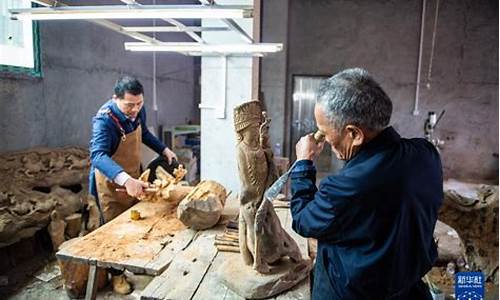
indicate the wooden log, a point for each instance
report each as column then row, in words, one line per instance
column 73, row 225
column 228, row 248
column 472, row 210
column 202, row 207
column 56, row 229
column 225, row 237
column 230, row 234
column 225, row 243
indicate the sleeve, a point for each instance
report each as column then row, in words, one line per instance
column 101, row 148
column 317, row 212
column 121, row 178
column 148, row 138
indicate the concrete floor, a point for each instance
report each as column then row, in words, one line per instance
column 53, row 289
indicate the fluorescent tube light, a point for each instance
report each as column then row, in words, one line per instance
column 172, row 29
column 205, row 48
column 133, row 12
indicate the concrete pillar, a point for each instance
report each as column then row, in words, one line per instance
column 225, row 83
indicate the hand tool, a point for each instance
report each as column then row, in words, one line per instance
column 273, row 191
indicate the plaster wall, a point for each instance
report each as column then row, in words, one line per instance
column 80, row 63
column 325, row 37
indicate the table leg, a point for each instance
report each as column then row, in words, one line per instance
column 91, row 292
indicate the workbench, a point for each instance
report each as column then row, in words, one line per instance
column 184, row 261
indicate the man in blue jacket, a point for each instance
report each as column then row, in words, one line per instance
column 374, row 220
column 119, row 129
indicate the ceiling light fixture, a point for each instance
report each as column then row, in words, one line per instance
column 201, row 49
column 132, row 12
column 172, row 29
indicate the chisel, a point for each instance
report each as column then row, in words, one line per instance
column 273, row 191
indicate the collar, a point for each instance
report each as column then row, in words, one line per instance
column 385, row 138
column 117, row 112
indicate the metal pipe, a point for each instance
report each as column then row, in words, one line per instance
column 417, row 88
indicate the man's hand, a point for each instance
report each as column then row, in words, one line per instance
column 307, row 148
column 169, row 154
column 135, row 188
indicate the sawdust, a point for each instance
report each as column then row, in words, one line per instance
column 123, row 239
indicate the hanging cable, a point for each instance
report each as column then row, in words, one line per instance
column 155, row 100
column 433, row 45
column 419, row 66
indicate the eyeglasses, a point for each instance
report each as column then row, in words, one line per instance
column 132, row 105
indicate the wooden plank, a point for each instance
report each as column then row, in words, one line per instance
column 91, row 291
column 138, row 246
column 179, row 242
column 186, row 271
column 211, row 288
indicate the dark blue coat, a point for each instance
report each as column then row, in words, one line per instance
column 374, row 220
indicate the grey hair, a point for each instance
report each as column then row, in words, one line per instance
column 354, row 97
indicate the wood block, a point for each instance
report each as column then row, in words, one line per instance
column 73, row 225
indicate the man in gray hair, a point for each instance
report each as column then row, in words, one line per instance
column 374, row 220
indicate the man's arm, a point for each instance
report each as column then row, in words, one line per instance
column 316, row 212
column 101, row 148
column 102, row 144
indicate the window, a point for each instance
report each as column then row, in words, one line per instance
column 19, row 41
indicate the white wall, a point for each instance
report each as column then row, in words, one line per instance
column 218, row 140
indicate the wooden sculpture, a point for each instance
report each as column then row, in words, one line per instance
column 262, row 240
column 165, row 187
column 472, row 210
column 39, row 187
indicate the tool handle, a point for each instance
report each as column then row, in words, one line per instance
column 319, row 136
column 147, row 190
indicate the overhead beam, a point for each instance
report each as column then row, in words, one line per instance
column 184, row 28
column 234, row 26
column 174, row 22
column 110, row 25
column 229, row 22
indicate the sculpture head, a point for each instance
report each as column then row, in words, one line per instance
column 247, row 119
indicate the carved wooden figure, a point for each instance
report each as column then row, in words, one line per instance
column 262, row 240
column 36, row 183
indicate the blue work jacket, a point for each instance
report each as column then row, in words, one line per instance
column 374, row 220
column 106, row 137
